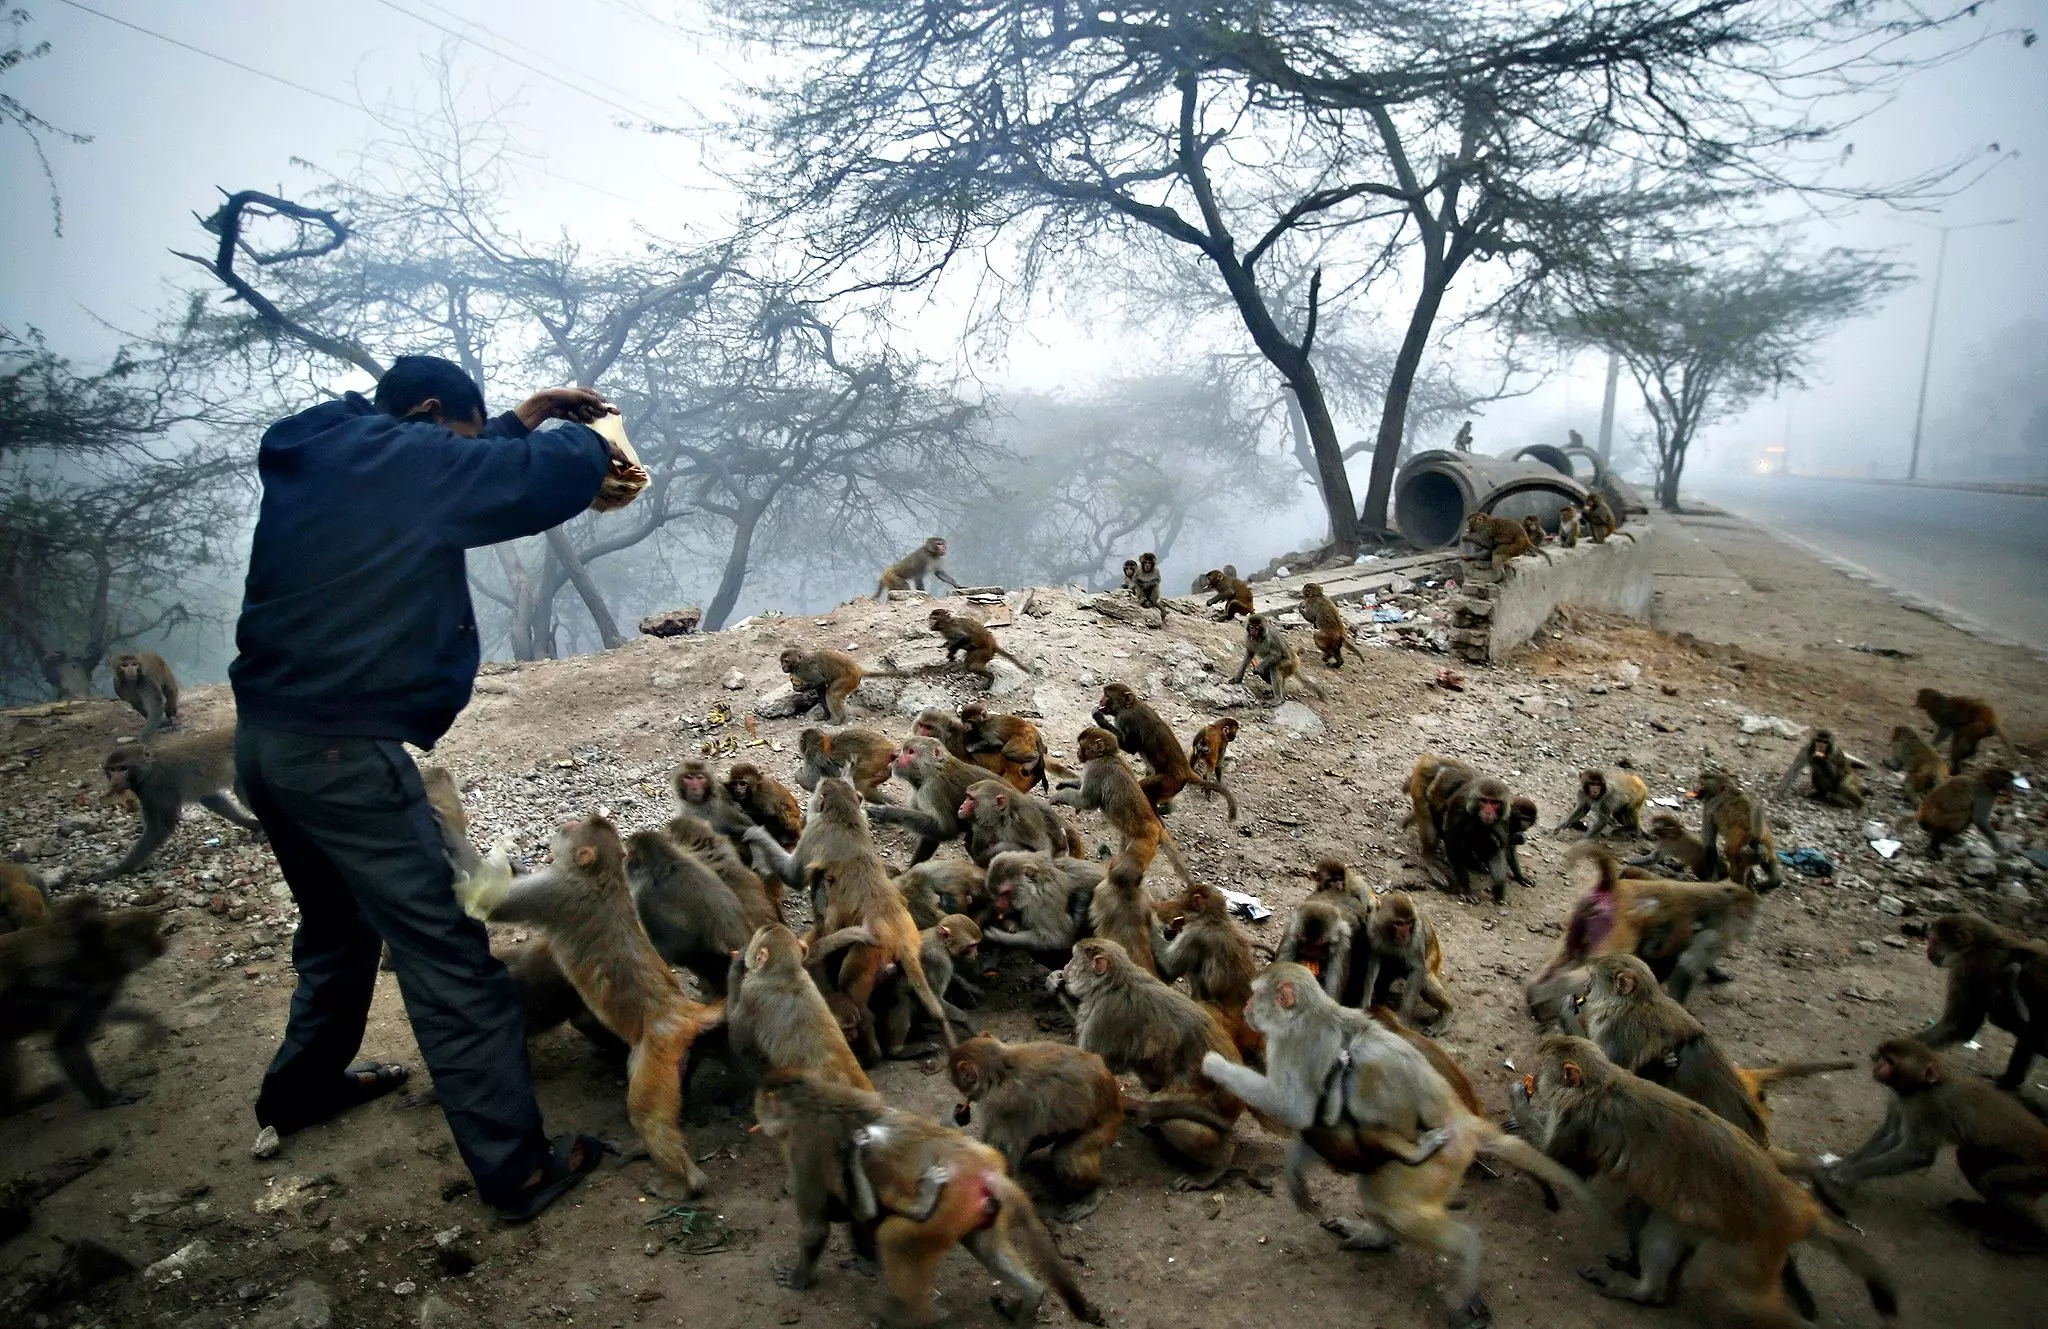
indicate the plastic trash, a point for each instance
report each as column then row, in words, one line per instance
column 1771, row 724
column 1385, row 614
column 1886, row 848
column 1250, row 906
column 1808, row 862
column 2020, row 782
column 1668, row 801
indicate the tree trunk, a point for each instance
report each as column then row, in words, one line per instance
column 735, row 574
column 579, row 577
column 1386, row 451
column 524, row 645
column 74, row 678
column 1330, row 475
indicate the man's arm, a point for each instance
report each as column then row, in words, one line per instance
column 503, row 485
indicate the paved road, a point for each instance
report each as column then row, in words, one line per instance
column 1983, row 557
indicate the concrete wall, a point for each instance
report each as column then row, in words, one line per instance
column 1618, row 576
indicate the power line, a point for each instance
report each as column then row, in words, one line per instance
column 646, row 113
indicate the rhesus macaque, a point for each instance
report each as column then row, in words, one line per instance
column 550, row 999
column 776, row 1017
column 1000, row 819
column 1370, row 1102
column 1958, row 803
column 701, row 796
column 1042, row 1095
column 1277, row 663
column 694, row 919
column 821, row 678
column 1146, row 582
column 766, row 801
column 144, row 681
column 584, row 904
column 1015, row 744
column 1326, row 933
column 1533, row 524
column 1522, row 817
column 1131, row 575
column 164, row 777
column 1834, row 777
column 24, row 903
column 1674, row 844
column 1568, row 526
column 1735, row 836
column 1476, row 835
column 1717, row 1207
column 938, row 887
column 1993, row 974
column 860, row 755
column 1206, row 948
column 1600, row 518
column 1235, row 596
column 1922, row 765
column 1401, row 944
column 1201, row 582
column 1107, row 786
column 1498, row 539
column 1121, row 911
column 928, row 559
column 1210, row 748
column 1964, row 721
column 946, row 944
column 1615, row 802
column 64, row 978
column 939, row 782
column 970, row 640
column 1430, row 786
column 1332, row 632
column 1140, row 730
column 2001, row 1146
column 913, row 1189
column 753, row 891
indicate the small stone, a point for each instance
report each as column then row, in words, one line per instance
column 1668, row 689
column 1866, row 947
column 267, row 1144
column 1292, row 715
column 1598, row 689
column 437, row 1312
column 734, row 681
column 405, row 1289
column 173, row 1266
column 779, row 704
column 1891, row 904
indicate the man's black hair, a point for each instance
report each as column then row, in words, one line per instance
column 413, row 379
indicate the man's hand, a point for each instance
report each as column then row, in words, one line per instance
column 579, row 404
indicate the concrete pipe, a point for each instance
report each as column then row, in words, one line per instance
column 1560, row 459
column 1438, row 490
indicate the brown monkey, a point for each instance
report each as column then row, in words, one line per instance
column 1430, row 786
column 1960, row 802
column 1922, row 765
column 23, row 900
column 2001, row 1146
column 585, row 906
column 1277, row 662
column 928, row 559
column 1015, row 743
column 861, row 755
column 1131, row 575
column 1201, row 582
column 757, row 895
column 766, row 801
column 1735, row 836
column 64, row 978
column 1146, row 582
column 1674, row 844
column 1210, row 747
column 776, row 1017
column 1499, row 539
column 1834, row 779
column 1326, row 933
column 1139, row 730
column 938, row 887
column 693, row 918
column 1717, row 1206
column 164, row 777
column 1121, row 911
column 1401, row 944
column 971, row 640
column 144, row 681
column 701, row 796
column 1993, row 974
column 1000, row 819
column 1533, row 524
column 1041, row 902
column 1522, row 817
column 1568, row 526
column 550, row 999
column 1601, row 520
column 1042, row 1095
column 821, row 678
column 913, row 1189
column 1476, row 834
column 946, row 944
column 1616, row 802
column 1964, row 721
column 1108, row 786
column 1234, row 595
column 939, row 782
column 1332, row 632
column 1203, row 946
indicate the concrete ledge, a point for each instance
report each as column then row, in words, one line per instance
column 1498, row 617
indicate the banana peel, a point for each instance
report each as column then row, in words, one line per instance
column 626, row 479
column 481, row 892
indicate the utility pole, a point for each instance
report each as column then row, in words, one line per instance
column 1607, row 411
column 1933, row 314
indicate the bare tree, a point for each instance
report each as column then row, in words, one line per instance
column 13, row 53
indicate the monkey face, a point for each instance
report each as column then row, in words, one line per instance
column 788, row 659
column 1594, row 785
column 1821, row 747
column 1130, row 567
column 740, row 787
column 936, row 546
column 1095, row 743
column 974, row 712
column 1489, row 810
column 1228, row 728
column 1255, row 628
column 694, row 786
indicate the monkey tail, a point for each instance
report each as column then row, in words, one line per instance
column 1216, row 787
column 1760, row 1077
column 1030, row 1235
column 1519, row 1153
column 1064, row 772
column 838, row 941
column 1603, row 858
column 866, row 672
column 1180, row 865
column 1013, row 660
column 1839, row 1240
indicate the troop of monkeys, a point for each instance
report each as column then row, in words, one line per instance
column 1499, row 539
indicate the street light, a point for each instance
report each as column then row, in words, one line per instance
column 1933, row 311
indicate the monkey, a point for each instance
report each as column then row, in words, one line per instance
column 145, row 682
column 1201, row 582
column 1718, row 1208
column 1522, row 817
column 938, row 887
column 164, row 777
column 550, row 999
column 1834, row 778
column 1015, row 742
column 1209, row 749
column 1498, row 539
column 758, row 896
column 1964, row 721
column 1042, row 1095
column 946, row 944
column 1674, row 844
column 776, row 1017
column 701, row 796
column 1131, row 575
column 584, row 904
column 822, row 678
column 1401, row 944
column 64, row 978
column 1617, row 802
column 1960, row 802
column 928, row 559
column 693, row 918
column 1430, row 785
column 766, row 801
column 1201, row 944
column 861, row 755
column 1121, row 910
column 1277, row 662
column 913, row 1189
column 953, row 731
column 972, row 641
column 1601, row 520
column 24, row 900
column 1332, row 632
column 1568, row 526
column 1475, row 834
column 1370, row 1102
column 1533, row 524
column 1043, row 901
column 1326, row 933
column 1108, row 786
column 1734, row 833
column 1140, row 731
column 1922, row 765
column 1993, row 974
column 1234, row 595
column 2001, row 1147
column 939, row 782
column 1000, row 819
column 1146, row 582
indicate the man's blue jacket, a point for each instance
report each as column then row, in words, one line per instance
column 356, row 618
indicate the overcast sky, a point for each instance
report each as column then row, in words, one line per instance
column 170, row 125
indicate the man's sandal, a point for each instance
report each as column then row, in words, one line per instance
column 561, row 1172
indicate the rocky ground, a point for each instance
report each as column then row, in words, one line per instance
column 156, row 1214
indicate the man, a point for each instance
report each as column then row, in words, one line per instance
column 357, row 635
